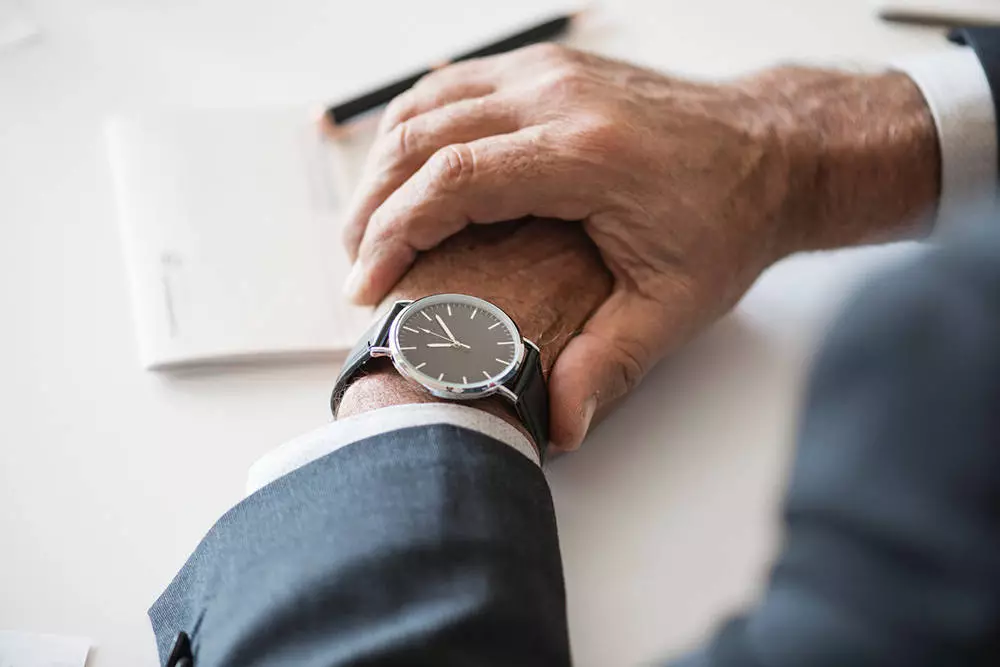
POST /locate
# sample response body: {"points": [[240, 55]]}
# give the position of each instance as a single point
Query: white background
{"points": [[109, 475]]}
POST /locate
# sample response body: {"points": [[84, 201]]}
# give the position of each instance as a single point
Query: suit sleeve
{"points": [[892, 518], [430, 545]]}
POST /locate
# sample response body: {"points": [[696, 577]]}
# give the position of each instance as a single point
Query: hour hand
{"points": [[451, 343]]}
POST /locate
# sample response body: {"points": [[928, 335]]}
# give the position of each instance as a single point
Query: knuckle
{"points": [[629, 368], [565, 81], [379, 228], [547, 51], [398, 144], [397, 110], [349, 237], [430, 81], [431, 85], [600, 134], [382, 225], [452, 166]]}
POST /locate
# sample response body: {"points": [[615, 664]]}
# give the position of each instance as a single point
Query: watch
{"points": [[458, 347]]}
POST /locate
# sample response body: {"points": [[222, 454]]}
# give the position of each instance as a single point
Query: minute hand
{"points": [[446, 329]]}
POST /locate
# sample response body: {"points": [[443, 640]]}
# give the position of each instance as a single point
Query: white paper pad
{"points": [[230, 221]]}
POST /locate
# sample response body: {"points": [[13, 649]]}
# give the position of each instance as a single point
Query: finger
{"points": [[619, 344], [398, 155], [487, 180], [472, 78], [458, 81]]}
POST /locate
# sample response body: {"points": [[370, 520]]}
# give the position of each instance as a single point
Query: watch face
{"points": [[455, 344]]}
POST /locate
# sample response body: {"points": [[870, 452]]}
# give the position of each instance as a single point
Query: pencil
{"points": [[541, 32]]}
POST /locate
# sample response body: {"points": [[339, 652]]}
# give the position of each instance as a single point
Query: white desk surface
{"points": [[109, 475]]}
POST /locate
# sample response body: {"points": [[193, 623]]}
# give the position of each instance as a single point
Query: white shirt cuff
{"points": [[956, 89], [316, 444]]}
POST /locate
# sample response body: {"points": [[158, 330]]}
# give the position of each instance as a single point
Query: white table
{"points": [[109, 475]]}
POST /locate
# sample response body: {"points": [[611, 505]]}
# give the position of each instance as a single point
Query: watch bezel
{"points": [[452, 390]]}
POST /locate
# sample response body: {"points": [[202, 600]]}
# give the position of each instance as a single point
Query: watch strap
{"points": [[532, 404], [377, 335]]}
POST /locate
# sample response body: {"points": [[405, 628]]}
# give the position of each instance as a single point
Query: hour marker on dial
{"points": [[449, 310], [506, 342], [411, 330], [440, 377], [465, 380], [494, 326], [426, 316], [473, 315], [501, 361], [420, 365], [408, 348], [488, 376]]}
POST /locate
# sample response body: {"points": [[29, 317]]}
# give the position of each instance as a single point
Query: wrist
{"points": [[863, 157], [382, 386]]}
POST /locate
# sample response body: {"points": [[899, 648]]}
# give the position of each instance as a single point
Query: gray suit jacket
{"points": [[431, 545]]}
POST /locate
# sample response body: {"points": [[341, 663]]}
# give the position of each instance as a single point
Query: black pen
{"points": [[938, 17], [541, 32]]}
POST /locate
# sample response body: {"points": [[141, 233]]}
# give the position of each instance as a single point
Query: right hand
{"points": [[689, 190]]}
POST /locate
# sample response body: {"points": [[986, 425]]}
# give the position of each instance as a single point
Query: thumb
{"points": [[619, 344]]}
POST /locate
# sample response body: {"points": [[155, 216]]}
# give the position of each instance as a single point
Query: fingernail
{"points": [[352, 286], [589, 408]]}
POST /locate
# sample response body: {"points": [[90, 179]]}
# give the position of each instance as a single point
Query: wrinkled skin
{"points": [[688, 190]]}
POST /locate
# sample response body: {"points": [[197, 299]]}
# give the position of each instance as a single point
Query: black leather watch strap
{"points": [[532, 403], [376, 336]]}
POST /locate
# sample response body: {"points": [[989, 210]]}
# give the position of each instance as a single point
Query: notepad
{"points": [[230, 222]]}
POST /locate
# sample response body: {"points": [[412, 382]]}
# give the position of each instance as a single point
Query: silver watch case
{"points": [[451, 390]]}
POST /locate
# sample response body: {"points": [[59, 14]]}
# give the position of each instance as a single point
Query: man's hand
{"points": [[689, 191], [546, 274]]}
